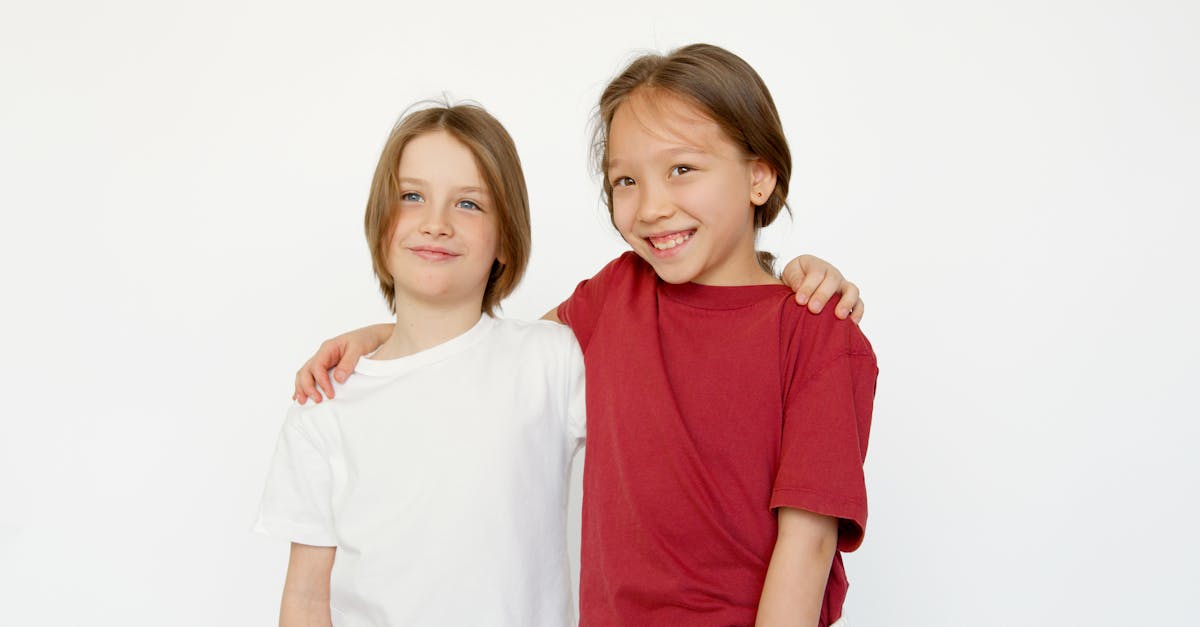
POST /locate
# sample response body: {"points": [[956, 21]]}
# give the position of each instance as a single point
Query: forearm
{"points": [[380, 332], [306, 588], [799, 569], [298, 610]]}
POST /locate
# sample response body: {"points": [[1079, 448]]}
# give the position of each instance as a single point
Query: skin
{"points": [[306, 587], [684, 194], [799, 569], [442, 245]]}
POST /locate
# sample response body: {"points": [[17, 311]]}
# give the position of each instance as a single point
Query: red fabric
{"points": [[707, 408]]}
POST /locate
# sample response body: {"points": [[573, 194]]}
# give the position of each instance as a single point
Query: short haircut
{"points": [[726, 89], [496, 157]]}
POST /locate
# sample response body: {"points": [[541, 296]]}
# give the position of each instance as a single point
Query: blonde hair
{"points": [[726, 89], [496, 157]]}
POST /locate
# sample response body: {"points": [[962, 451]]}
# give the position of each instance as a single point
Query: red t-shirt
{"points": [[708, 407]]}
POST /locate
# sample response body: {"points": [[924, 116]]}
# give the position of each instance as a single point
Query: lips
{"points": [[433, 253]]}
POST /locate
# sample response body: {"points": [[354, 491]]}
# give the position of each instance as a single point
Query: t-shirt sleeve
{"points": [[827, 421], [297, 503], [581, 311]]}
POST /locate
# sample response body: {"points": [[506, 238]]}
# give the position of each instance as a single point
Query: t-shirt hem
{"points": [[300, 534], [845, 507]]}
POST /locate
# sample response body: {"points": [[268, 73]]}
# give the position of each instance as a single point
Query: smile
{"points": [[433, 253], [668, 241]]}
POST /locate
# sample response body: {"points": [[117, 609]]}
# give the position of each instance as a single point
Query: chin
{"points": [[673, 273]]}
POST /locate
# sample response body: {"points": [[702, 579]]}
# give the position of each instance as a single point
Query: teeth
{"points": [[666, 243]]}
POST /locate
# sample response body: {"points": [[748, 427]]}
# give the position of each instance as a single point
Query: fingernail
{"points": [[340, 376], [802, 299], [816, 306]]}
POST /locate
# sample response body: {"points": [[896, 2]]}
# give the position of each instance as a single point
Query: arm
{"points": [[342, 351], [815, 281], [306, 589], [342, 354], [799, 568]]}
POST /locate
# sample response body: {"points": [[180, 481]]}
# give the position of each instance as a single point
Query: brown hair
{"points": [[729, 92], [495, 156]]}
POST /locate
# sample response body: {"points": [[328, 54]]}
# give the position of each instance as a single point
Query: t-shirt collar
{"points": [[449, 348]]}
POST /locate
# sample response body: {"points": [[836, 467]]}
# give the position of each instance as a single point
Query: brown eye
{"points": [[622, 181]]}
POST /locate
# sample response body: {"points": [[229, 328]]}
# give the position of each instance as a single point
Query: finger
{"points": [[822, 293], [808, 286], [322, 377], [793, 273], [298, 389], [308, 385], [346, 364], [849, 300], [857, 314]]}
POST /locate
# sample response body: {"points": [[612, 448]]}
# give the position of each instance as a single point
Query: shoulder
{"points": [[538, 335], [311, 420], [816, 340], [356, 387]]}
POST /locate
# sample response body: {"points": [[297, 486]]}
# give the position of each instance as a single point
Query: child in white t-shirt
{"points": [[433, 489]]}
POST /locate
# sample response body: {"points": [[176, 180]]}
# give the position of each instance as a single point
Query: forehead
{"points": [[439, 157], [666, 121]]}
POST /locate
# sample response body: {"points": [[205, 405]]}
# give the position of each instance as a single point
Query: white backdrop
{"points": [[1014, 185]]}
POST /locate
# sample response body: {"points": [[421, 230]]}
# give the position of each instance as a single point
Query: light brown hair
{"points": [[495, 156], [726, 89]]}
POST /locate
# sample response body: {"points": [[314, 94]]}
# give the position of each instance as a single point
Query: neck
{"points": [[421, 326], [741, 268]]}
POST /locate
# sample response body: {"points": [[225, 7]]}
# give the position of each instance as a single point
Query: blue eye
{"points": [[468, 204], [622, 181], [681, 169], [411, 197]]}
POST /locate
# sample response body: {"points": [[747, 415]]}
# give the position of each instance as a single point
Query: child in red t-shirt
{"points": [[726, 426]]}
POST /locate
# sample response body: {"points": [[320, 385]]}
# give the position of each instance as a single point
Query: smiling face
{"points": [[443, 240], [683, 194]]}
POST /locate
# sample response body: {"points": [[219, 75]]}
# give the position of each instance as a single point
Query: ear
{"points": [[762, 182]]}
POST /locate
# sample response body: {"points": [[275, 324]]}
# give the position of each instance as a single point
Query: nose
{"points": [[435, 222], [654, 203]]}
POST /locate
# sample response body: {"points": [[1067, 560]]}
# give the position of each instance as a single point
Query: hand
{"points": [[815, 281], [343, 352]]}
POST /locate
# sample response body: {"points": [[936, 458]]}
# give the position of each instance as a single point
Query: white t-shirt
{"points": [[441, 478]]}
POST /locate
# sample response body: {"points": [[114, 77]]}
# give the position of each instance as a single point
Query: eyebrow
{"points": [[469, 189], [670, 152]]}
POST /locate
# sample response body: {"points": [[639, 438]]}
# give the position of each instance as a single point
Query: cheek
{"points": [[622, 211], [399, 227], [488, 236]]}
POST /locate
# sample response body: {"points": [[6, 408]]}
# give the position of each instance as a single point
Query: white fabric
{"points": [[442, 480]]}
